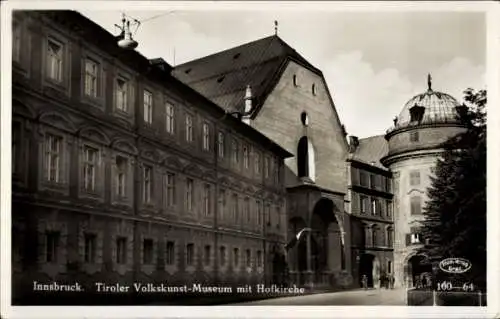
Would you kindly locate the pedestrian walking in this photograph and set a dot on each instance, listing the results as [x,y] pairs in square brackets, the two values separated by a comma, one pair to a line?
[392,281]
[364,282]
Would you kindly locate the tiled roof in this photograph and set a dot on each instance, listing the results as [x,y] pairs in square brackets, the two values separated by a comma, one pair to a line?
[371,150]
[223,77]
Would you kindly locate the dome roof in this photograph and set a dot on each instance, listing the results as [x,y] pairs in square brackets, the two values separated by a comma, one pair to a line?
[437,107]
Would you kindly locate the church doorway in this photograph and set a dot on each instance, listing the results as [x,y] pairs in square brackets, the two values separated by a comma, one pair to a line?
[369,266]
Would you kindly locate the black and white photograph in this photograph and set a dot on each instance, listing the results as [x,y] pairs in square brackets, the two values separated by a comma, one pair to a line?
[190,154]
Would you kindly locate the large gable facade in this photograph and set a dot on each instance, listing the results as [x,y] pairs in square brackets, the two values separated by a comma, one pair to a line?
[290,104]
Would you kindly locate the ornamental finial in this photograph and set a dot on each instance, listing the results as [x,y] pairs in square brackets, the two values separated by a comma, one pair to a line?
[429,82]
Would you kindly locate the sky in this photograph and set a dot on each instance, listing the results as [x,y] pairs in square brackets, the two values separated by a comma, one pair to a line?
[373,62]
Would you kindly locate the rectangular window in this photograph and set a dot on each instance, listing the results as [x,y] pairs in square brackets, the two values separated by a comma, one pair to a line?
[235,151]
[373,181]
[389,267]
[388,187]
[220,144]
[53,155]
[246,157]
[388,209]
[222,256]
[55,60]
[276,171]
[206,199]
[16,41]
[169,120]
[375,207]
[390,237]
[363,177]
[89,168]
[147,184]
[189,128]
[414,178]
[52,247]
[363,204]
[148,107]
[259,212]
[259,258]
[266,167]
[121,175]
[91,76]
[190,254]
[246,208]
[90,248]
[414,137]
[147,251]
[416,205]
[248,258]
[189,194]
[354,176]
[169,189]
[206,137]
[236,257]
[170,253]
[222,203]
[235,208]
[207,254]
[257,162]
[121,95]
[121,250]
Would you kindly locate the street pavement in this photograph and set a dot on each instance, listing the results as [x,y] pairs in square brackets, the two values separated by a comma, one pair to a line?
[370,297]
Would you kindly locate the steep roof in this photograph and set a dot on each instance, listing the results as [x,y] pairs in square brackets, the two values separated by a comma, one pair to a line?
[222,77]
[371,149]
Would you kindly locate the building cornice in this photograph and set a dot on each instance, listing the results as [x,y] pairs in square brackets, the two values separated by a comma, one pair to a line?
[405,155]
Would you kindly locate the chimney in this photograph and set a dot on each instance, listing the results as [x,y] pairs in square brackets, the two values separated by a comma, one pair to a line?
[353,143]
[248,105]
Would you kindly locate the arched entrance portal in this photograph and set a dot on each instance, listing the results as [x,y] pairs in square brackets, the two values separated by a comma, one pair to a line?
[416,271]
[369,266]
[325,257]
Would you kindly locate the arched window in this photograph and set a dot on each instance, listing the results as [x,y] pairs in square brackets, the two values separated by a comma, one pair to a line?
[390,237]
[294,80]
[374,236]
[305,159]
[313,89]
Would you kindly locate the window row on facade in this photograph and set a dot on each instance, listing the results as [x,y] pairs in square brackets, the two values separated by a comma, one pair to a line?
[377,237]
[159,186]
[92,251]
[374,206]
[157,108]
[363,178]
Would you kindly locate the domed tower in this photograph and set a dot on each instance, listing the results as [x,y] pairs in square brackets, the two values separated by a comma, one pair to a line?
[426,121]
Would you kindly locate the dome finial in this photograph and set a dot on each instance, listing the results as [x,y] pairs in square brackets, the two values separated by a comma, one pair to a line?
[429,82]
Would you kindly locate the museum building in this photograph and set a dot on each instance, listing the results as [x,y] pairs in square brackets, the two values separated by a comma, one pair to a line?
[121,173]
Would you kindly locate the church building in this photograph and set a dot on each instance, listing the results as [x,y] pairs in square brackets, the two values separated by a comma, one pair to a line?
[290,104]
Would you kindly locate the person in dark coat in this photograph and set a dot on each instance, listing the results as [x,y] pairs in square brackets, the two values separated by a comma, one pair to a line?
[364,282]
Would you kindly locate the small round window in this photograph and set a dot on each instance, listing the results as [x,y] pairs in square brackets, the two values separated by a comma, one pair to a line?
[304,119]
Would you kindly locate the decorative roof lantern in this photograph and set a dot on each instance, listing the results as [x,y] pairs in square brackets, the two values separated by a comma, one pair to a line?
[428,107]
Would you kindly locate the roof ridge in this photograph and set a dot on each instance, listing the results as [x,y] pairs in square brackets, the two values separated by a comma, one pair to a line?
[226,50]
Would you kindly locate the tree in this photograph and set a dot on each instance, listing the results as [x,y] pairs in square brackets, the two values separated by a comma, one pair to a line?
[455,214]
